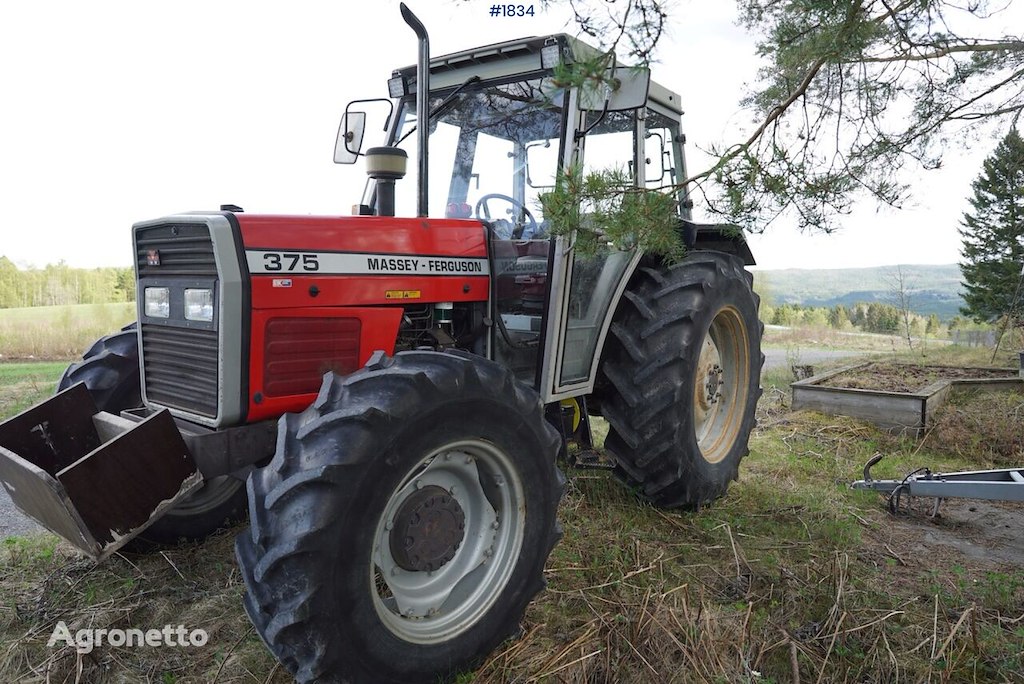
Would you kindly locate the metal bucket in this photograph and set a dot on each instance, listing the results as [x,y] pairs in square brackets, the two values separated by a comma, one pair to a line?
[91,477]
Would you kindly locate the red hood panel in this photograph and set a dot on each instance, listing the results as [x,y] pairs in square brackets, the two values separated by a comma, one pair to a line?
[364,234]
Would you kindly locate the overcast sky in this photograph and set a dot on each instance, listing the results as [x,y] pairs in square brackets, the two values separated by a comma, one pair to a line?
[117,111]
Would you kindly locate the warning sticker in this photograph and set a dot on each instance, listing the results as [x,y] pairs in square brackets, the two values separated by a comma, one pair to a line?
[402,294]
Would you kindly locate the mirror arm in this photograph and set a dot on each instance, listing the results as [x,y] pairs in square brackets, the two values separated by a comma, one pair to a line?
[583,133]
[387,121]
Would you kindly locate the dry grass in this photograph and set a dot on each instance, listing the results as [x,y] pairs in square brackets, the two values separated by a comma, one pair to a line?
[830,338]
[58,332]
[792,577]
[195,586]
[982,426]
[909,378]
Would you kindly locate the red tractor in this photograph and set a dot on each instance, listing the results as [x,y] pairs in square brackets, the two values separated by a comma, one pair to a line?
[395,392]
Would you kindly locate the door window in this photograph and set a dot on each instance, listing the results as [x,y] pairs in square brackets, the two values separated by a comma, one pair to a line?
[594,279]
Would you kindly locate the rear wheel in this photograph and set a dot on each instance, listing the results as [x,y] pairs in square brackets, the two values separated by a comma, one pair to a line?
[681,379]
[403,525]
[110,371]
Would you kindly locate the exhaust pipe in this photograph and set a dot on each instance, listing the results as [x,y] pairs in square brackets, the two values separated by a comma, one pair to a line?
[422,103]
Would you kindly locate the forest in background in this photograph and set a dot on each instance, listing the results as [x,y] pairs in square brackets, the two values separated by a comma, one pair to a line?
[59,284]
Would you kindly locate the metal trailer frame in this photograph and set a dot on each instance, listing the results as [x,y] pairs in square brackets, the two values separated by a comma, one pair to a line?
[1006,484]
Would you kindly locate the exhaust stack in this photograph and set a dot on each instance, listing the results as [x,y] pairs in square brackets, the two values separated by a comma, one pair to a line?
[422,103]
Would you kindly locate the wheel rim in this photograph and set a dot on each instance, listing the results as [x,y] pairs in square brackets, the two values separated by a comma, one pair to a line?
[429,606]
[211,495]
[721,385]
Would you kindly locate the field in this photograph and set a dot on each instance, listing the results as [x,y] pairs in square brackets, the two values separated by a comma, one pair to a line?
[792,577]
[58,332]
[24,384]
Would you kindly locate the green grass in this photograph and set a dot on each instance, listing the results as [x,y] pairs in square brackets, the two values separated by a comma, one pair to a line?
[25,384]
[58,332]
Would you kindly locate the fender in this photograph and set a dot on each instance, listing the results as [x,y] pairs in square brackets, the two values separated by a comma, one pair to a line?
[723,238]
[717,237]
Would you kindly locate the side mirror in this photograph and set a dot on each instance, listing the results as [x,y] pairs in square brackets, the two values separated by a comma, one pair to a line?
[350,137]
[623,88]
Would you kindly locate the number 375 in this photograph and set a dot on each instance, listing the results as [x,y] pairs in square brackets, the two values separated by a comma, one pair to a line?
[290,261]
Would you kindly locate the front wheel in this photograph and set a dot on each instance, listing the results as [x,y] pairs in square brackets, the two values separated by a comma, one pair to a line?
[403,525]
[220,502]
[110,371]
[681,379]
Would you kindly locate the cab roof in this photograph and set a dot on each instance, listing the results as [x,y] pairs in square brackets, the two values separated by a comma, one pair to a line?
[518,57]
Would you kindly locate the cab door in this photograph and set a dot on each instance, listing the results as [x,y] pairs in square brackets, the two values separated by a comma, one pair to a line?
[585,289]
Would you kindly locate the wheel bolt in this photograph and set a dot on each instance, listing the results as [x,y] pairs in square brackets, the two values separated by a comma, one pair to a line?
[419,484]
[495,525]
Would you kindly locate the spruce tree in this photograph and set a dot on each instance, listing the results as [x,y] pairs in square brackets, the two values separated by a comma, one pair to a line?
[992,232]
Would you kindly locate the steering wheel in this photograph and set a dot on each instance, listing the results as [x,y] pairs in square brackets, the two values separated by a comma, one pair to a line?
[482,212]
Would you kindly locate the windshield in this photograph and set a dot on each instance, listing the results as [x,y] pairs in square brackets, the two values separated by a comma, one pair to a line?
[493,150]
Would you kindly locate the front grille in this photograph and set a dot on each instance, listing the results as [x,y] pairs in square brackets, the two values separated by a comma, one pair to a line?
[183,249]
[180,366]
[179,360]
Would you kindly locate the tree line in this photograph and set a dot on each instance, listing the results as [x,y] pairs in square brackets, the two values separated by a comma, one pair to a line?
[60,284]
[873,317]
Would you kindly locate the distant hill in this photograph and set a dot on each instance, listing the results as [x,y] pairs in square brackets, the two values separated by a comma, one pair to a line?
[932,289]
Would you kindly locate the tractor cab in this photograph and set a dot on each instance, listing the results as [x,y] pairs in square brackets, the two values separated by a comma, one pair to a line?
[500,127]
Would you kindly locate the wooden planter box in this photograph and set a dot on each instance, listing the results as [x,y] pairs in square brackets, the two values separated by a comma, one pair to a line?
[908,412]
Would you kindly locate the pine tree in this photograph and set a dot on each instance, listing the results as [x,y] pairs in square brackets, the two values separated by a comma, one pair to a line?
[838,317]
[992,233]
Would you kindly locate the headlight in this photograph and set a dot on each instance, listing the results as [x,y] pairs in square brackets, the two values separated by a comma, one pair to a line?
[199,305]
[158,302]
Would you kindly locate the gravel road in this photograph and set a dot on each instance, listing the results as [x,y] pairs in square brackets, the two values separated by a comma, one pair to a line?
[776,358]
[12,522]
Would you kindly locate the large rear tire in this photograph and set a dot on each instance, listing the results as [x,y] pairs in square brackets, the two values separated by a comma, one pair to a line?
[681,379]
[403,525]
[110,371]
